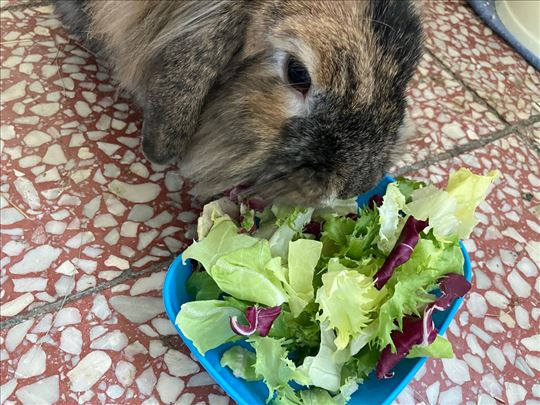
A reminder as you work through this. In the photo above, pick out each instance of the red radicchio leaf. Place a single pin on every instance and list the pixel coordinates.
(375, 201)
(402, 251)
(314, 228)
(352, 216)
(412, 334)
(257, 204)
(259, 320)
(421, 331)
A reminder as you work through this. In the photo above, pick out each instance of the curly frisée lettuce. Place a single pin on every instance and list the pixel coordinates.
(325, 298)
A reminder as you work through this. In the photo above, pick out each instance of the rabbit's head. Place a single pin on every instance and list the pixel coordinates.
(312, 105)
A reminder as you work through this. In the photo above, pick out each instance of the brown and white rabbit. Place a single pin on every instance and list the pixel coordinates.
(303, 100)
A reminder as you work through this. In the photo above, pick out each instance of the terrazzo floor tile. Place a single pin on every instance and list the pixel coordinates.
(116, 347)
(444, 114)
(79, 202)
(495, 336)
(485, 62)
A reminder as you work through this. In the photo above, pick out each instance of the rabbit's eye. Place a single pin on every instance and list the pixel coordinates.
(298, 76)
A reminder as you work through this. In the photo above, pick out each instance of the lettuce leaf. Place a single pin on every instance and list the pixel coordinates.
(207, 323)
(241, 362)
(390, 217)
(223, 238)
(304, 255)
(441, 348)
(347, 301)
(222, 208)
(323, 370)
(273, 366)
(468, 190)
(437, 206)
(201, 286)
(451, 211)
(290, 223)
(243, 274)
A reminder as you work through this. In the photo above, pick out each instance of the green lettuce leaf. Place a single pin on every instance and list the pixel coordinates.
(407, 187)
(201, 286)
(243, 274)
(338, 230)
(304, 255)
(290, 224)
(410, 286)
(222, 208)
(439, 207)
(441, 348)
(223, 238)
(390, 218)
(469, 190)
(241, 361)
(273, 365)
(337, 207)
(407, 297)
(347, 301)
(206, 323)
(317, 396)
(323, 370)
(451, 211)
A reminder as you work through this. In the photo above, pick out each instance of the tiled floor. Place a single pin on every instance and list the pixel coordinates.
(88, 225)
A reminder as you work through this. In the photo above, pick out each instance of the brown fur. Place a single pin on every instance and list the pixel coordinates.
(210, 78)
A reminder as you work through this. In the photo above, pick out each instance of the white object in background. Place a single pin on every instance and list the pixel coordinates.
(521, 18)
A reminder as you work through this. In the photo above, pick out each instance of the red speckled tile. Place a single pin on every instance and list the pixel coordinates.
(116, 347)
(485, 62)
(80, 203)
(495, 335)
(445, 114)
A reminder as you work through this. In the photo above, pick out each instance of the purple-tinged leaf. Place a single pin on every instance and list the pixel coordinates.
(259, 320)
(402, 251)
(412, 334)
(421, 331)
(266, 317)
(250, 328)
(257, 204)
(375, 201)
(314, 228)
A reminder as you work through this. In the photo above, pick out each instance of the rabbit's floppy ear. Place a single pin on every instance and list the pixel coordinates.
(183, 72)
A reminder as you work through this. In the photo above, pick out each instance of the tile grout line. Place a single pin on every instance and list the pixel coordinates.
(528, 141)
(447, 69)
(491, 108)
(56, 305)
(470, 146)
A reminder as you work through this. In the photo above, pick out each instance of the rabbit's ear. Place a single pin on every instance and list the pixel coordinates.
(183, 73)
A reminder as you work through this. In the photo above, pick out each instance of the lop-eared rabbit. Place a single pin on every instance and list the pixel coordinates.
(299, 100)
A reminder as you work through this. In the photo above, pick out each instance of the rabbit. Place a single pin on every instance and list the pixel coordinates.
(301, 101)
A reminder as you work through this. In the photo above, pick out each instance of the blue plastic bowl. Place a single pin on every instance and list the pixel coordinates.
(371, 392)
